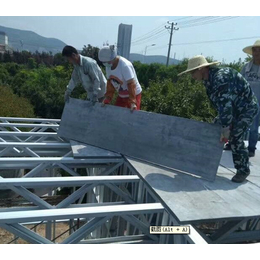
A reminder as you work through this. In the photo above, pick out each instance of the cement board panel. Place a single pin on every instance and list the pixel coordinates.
(192, 199)
(81, 150)
(178, 143)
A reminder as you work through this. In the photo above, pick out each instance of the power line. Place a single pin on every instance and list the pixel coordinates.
(197, 20)
(183, 18)
(214, 20)
(212, 41)
(151, 32)
(209, 22)
(148, 37)
(224, 40)
(158, 32)
(152, 37)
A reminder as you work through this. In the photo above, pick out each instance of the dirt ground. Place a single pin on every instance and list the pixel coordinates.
(6, 237)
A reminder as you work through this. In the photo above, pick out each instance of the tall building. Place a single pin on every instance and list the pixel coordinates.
(124, 40)
(3, 38)
(3, 42)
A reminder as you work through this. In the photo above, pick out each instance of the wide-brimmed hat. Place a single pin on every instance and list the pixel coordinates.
(248, 49)
(107, 53)
(197, 62)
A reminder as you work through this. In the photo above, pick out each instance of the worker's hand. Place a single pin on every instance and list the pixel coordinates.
(133, 107)
(216, 120)
(67, 96)
(105, 102)
(94, 99)
(225, 133)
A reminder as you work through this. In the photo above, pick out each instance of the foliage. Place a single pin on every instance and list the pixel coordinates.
(91, 52)
(235, 65)
(148, 73)
(44, 87)
(13, 106)
(185, 98)
(40, 80)
(4, 75)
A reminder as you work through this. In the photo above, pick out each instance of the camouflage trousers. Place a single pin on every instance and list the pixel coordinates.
(240, 125)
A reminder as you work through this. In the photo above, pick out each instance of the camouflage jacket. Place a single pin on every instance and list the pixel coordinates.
(229, 93)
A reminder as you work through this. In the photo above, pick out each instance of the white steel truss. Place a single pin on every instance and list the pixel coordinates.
(107, 202)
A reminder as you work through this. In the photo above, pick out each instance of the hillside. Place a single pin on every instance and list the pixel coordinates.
(152, 59)
(30, 41)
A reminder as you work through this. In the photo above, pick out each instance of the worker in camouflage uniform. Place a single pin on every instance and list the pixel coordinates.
(235, 102)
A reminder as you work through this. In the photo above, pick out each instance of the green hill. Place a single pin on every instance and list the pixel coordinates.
(30, 41)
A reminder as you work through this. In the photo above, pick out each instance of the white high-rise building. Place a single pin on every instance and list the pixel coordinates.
(3, 38)
(124, 40)
(3, 42)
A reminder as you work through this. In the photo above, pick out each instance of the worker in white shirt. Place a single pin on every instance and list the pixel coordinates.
(122, 78)
(87, 72)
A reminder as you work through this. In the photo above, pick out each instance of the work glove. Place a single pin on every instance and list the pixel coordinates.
(94, 99)
(225, 133)
(67, 95)
(216, 120)
(105, 102)
(133, 107)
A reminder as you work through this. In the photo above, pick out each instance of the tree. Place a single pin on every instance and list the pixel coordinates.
(4, 75)
(7, 57)
(91, 52)
(32, 63)
(248, 58)
(163, 91)
(185, 98)
(58, 59)
(13, 106)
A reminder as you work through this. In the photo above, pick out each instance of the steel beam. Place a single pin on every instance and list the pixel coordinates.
(25, 234)
(40, 182)
(85, 230)
(88, 212)
(20, 119)
(27, 125)
(226, 230)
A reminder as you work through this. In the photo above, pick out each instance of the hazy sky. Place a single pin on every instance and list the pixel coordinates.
(147, 30)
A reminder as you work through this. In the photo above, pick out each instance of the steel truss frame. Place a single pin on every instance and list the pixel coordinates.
(228, 231)
(110, 205)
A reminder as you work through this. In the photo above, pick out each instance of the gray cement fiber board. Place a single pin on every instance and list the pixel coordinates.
(81, 150)
(193, 199)
(178, 143)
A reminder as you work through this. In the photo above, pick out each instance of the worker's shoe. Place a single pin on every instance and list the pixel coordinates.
(240, 176)
(251, 153)
(227, 146)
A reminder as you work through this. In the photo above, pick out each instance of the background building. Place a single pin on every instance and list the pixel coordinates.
(124, 40)
(4, 43)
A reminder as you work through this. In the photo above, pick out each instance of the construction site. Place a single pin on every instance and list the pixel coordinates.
(79, 179)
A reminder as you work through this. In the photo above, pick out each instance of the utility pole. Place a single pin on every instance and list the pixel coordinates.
(172, 24)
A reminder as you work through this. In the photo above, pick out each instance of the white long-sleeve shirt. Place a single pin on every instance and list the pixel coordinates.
(251, 73)
(90, 75)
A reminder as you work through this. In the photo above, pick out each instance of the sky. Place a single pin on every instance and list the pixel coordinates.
(212, 34)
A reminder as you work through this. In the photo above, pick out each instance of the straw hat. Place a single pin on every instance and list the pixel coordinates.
(248, 49)
(198, 62)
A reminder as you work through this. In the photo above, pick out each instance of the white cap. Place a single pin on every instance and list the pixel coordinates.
(107, 53)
